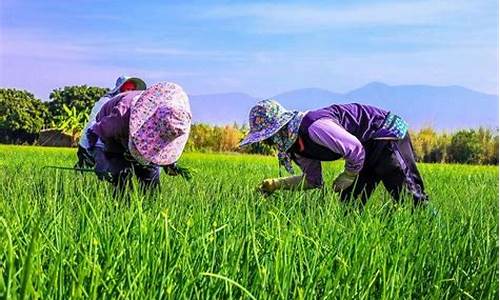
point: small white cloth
(84, 142)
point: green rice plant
(63, 235)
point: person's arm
(311, 178)
(110, 126)
(329, 134)
(176, 170)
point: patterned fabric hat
(139, 83)
(160, 121)
(266, 118)
(269, 119)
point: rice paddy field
(63, 235)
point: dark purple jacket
(335, 132)
(112, 122)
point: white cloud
(21, 43)
(30, 60)
(33, 43)
(288, 18)
(180, 52)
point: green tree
(494, 153)
(22, 116)
(489, 150)
(72, 122)
(438, 151)
(465, 147)
(201, 138)
(80, 97)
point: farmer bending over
(136, 132)
(374, 143)
(123, 84)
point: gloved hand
(102, 165)
(343, 181)
(269, 185)
(175, 170)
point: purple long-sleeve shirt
(329, 134)
(112, 122)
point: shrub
(80, 97)
(22, 116)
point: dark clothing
(362, 121)
(393, 164)
(373, 141)
(306, 147)
(85, 159)
(112, 122)
(113, 161)
(121, 167)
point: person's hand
(268, 186)
(176, 170)
(343, 181)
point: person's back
(360, 120)
(123, 84)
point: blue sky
(249, 46)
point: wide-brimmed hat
(266, 118)
(160, 121)
(139, 84)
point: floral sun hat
(160, 121)
(139, 83)
(267, 119)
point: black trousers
(124, 167)
(391, 162)
(121, 167)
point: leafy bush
(205, 137)
(72, 122)
(473, 146)
(464, 147)
(429, 145)
(22, 116)
(80, 97)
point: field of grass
(63, 235)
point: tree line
(23, 116)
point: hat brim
(264, 134)
(140, 85)
(169, 153)
(150, 144)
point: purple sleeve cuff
(329, 134)
(311, 169)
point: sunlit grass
(63, 235)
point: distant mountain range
(444, 108)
